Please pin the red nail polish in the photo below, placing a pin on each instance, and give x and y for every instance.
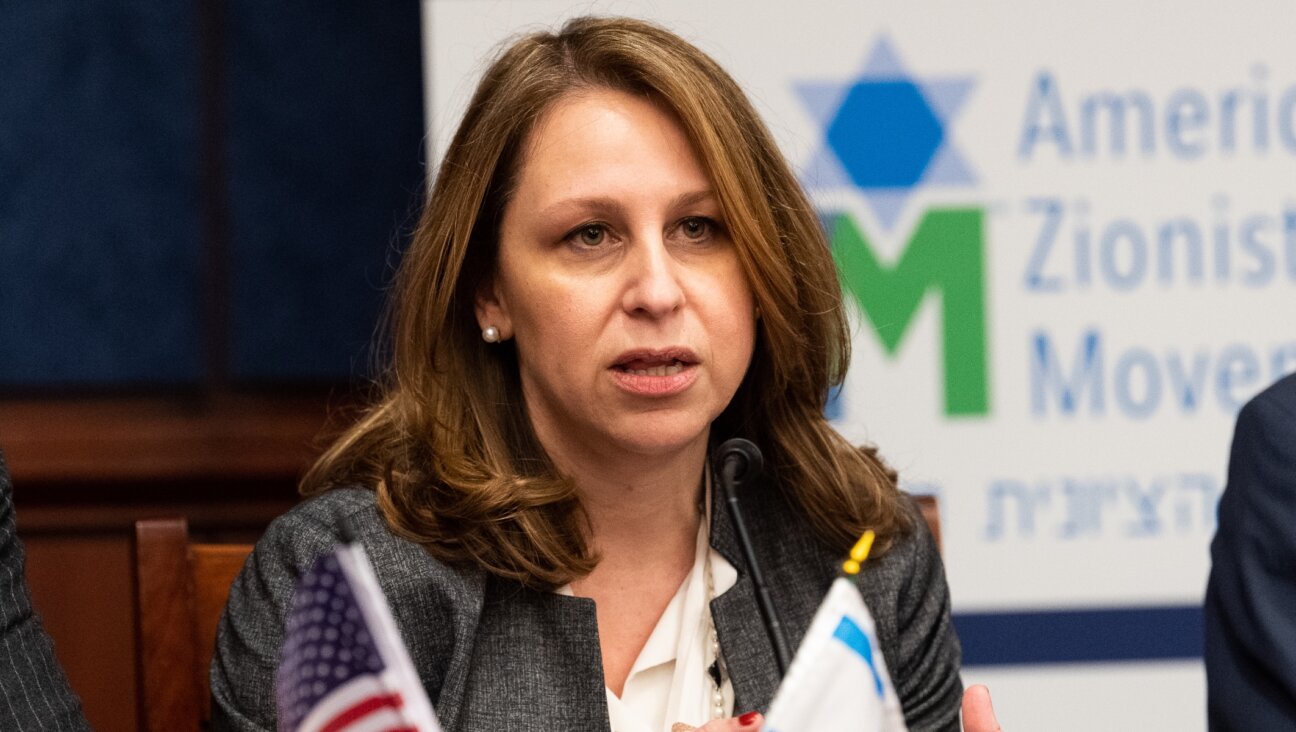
(749, 718)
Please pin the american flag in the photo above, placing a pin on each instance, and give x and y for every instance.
(343, 667)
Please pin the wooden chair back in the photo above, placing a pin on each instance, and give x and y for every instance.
(180, 591)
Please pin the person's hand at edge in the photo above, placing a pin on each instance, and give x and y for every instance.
(978, 712)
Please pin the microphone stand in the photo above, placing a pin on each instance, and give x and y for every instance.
(741, 461)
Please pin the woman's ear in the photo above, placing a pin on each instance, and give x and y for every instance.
(492, 310)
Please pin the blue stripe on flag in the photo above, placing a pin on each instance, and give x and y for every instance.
(1092, 635)
(857, 640)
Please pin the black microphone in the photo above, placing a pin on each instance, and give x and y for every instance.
(740, 462)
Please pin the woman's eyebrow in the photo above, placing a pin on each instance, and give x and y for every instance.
(693, 198)
(583, 204)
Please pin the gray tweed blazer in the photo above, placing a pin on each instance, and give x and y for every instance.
(498, 657)
(34, 693)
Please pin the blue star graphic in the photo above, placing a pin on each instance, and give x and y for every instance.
(885, 133)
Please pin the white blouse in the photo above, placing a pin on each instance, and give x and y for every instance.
(668, 682)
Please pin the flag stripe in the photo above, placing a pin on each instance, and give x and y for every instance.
(361, 709)
(855, 639)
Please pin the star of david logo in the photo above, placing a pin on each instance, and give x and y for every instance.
(886, 133)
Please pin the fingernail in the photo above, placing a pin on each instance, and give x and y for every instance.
(749, 718)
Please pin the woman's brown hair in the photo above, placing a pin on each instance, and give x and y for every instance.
(449, 447)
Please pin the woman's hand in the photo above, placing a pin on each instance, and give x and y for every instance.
(978, 713)
(749, 722)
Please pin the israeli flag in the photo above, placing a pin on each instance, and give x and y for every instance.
(838, 680)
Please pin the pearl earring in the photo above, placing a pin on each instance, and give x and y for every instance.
(490, 334)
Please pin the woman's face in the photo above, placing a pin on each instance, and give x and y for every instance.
(616, 277)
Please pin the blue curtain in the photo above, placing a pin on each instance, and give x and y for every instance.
(143, 141)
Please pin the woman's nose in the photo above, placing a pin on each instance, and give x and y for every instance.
(653, 285)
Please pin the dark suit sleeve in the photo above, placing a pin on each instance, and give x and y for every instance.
(34, 693)
(926, 650)
(1251, 597)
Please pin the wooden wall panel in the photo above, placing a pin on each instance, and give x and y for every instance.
(57, 443)
(81, 587)
(85, 470)
(80, 578)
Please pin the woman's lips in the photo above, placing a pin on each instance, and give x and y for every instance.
(655, 372)
(656, 381)
(645, 368)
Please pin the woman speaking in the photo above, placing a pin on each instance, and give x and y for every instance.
(615, 271)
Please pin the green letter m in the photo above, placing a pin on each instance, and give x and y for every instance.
(944, 253)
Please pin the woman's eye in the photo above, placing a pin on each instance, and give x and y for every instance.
(590, 235)
(696, 227)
